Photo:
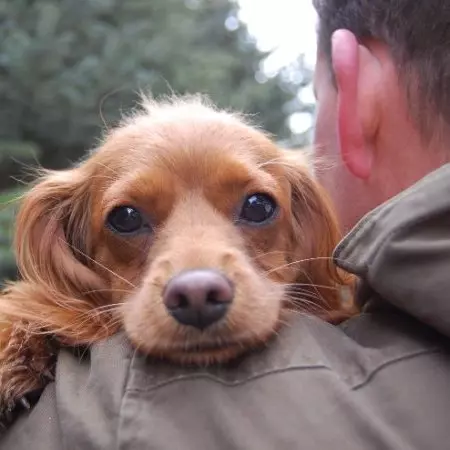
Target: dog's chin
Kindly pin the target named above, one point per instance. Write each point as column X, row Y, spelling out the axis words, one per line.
column 207, row 354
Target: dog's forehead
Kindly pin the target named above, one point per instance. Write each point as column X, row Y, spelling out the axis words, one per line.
column 169, row 159
column 187, row 145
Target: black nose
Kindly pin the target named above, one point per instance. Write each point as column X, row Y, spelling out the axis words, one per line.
column 198, row 297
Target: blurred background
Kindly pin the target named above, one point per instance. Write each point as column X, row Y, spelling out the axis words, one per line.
column 67, row 67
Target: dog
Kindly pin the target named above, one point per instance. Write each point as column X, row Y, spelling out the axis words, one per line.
column 188, row 228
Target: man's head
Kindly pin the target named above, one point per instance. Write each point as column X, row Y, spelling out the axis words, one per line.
column 383, row 98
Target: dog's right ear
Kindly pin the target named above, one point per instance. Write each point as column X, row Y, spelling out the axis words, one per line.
column 53, row 246
column 315, row 227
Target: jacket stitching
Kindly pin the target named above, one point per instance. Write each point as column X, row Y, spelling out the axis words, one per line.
column 378, row 369
column 282, row 370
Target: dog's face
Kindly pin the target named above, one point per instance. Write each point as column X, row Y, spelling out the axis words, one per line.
column 197, row 230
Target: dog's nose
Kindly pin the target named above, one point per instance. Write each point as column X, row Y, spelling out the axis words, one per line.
column 198, row 298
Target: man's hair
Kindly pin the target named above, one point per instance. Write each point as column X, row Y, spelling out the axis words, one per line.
column 417, row 32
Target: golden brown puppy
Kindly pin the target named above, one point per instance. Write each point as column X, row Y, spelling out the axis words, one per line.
column 188, row 228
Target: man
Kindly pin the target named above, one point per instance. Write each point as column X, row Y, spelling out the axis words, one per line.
column 381, row 381
column 383, row 98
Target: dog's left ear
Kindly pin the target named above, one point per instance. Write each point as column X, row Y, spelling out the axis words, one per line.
column 59, row 282
column 58, row 289
column 315, row 234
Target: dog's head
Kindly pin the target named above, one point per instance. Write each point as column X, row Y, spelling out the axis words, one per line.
column 187, row 227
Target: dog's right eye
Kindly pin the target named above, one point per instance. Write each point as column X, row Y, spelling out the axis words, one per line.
column 125, row 220
column 258, row 209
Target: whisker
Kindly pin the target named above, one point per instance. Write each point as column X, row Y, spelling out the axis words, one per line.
column 302, row 301
column 283, row 266
column 95, row 291
column 326, row 302
column 299, row 313
column 262, row 255
column 100, row 265
column 305, row 285
column 304, row 295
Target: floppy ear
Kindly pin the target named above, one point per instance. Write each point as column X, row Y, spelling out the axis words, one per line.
column 315, row 234
column 53, row 242
column 59, row 288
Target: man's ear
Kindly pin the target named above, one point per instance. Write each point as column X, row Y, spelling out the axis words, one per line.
column 355, row 71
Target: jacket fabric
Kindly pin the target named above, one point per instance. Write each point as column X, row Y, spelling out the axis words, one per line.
column 379, row 381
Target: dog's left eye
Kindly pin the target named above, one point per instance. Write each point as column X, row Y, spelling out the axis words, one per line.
column 258, row 208
column 125, row 220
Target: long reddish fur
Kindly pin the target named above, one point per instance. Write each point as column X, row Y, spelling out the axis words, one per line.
column 65, row 272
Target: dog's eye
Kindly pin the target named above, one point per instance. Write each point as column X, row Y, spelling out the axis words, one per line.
column 258, row 208
column 125, row 220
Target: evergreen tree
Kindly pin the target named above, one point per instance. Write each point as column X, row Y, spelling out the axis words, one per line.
column 66, row 63
column 69, row 67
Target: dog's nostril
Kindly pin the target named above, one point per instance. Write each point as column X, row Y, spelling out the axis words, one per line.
column 213, row 297
column 183, row 301
column 198, row 298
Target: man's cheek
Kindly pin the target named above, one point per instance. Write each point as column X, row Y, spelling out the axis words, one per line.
column 326, row 126
column 321, row 131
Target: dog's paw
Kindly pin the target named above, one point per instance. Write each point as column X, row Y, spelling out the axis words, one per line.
column 27, row 364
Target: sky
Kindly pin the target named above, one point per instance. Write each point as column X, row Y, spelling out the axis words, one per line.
column 286, row 28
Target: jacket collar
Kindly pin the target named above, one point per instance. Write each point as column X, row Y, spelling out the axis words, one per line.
column 401, row 251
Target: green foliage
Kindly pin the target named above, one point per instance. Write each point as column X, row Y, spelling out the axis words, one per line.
column 9, row 150
column 70, row 67
column 64, row 63
column 7, row 211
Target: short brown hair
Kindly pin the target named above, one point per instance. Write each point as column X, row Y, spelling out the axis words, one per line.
column 418, row 35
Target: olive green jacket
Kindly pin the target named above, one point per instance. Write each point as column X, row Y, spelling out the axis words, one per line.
column 381, row 381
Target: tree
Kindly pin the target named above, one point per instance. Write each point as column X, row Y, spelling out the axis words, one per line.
column 69, row 67
column 65, row 63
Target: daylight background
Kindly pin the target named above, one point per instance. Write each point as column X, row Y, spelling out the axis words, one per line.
column 67, row 67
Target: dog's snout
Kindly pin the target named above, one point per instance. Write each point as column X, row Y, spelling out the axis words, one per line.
column 198, row 298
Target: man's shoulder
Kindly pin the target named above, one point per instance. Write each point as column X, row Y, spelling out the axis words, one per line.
column 315, row 383
column 352, row 352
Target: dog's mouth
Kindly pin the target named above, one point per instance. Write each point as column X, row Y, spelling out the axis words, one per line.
column 203, row 322
column 208, row 347
column 212, row 353
column 208, row 354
